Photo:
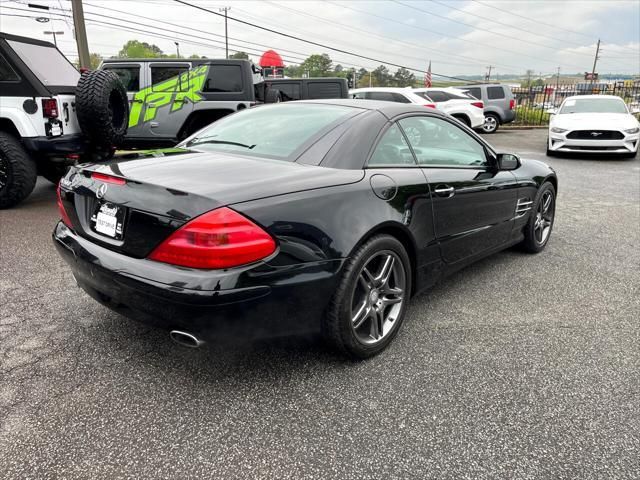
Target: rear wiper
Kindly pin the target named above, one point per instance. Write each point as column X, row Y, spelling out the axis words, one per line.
column 219, row 142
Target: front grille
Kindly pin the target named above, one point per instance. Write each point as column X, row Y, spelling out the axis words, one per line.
column 595, row 135
column 595, row 147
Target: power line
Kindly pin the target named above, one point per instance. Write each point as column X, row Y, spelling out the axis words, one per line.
column 481, row 29
column 541, row 23
column 293, row 37
column 354, row 29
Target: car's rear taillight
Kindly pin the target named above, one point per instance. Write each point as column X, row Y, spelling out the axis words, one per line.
column 221, row 238
column 63, row 213
column 108, row 178
column 49, row 108
column 478, row 104
column 430, row 105
column 512, row 104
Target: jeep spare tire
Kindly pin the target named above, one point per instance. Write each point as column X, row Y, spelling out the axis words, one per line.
column 102, row 108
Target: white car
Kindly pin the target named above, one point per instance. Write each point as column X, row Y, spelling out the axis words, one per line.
column 457, row 103
column 391, row 94
column 593, row 124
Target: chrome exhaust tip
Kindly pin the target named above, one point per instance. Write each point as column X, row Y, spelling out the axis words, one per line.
column 185, row 339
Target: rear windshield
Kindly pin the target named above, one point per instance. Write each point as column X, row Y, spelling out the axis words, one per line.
column 47, row 63
column 272, row 131
column 594, row 105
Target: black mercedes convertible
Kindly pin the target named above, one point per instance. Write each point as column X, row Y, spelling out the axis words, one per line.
column 315, row 216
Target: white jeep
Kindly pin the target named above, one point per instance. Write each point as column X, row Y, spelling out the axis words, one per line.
column 51, row 115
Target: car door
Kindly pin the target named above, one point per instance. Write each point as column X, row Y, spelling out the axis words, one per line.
column 166, row 107
column 473, row 201
column 132, row 77
column 394, row 176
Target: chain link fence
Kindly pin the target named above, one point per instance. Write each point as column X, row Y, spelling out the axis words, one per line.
column 533, row 102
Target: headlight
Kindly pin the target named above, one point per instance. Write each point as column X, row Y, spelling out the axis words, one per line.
column 632, row 130
column 558, row 130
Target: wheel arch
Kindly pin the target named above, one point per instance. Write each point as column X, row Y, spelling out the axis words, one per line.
column 403, row 235
column 6, row 125
column 553, row 180
column 464, row 117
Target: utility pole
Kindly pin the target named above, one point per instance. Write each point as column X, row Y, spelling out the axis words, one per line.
column 226, row 32
column 595, row 61
column 488, row 75
column 370, row 79
column 81, row 33
column 177, row 49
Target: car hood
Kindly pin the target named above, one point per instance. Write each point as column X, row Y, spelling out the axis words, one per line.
column 221, row 176
column 594, row 121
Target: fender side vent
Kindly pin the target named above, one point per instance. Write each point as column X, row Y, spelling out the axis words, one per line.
column 522, row 207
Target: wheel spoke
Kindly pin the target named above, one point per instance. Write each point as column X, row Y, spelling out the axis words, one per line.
column 377, row 323
column 368, row 278
column 361, row 315
column 385, row 273
column 546, row 203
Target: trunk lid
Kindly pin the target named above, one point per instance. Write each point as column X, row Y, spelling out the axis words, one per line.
column 165, row 189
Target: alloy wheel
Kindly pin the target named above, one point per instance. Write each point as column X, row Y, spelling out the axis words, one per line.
column 544, row 218
column 378, row 297
column 490, row 124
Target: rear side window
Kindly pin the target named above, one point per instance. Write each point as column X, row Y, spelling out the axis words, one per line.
column 7, row 74
column 324, row 90
column 224, row 79
column 476, row 92
column 495, row 93
column 160, row 74
column 289, row 91
column 384, row 96
column 129, row 76
column 47, row 63
column 437, row 96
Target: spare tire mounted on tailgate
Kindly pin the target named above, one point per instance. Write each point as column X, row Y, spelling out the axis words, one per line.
column 102, row 107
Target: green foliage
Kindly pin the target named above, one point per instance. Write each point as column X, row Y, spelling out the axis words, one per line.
column 240, row 56
column 317, row 66
column 137, row 49
column 94, row 61
column 403, row 78
column 381, row 77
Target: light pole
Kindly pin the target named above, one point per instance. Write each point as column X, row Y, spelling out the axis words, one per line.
column 54, row 33
column 177, row 49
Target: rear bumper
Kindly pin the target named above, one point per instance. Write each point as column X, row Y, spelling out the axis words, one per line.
column 560, row 143
column 252, row 302
column 509, row 116
column 56, row 146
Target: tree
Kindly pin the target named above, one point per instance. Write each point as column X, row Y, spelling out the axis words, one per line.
column 403, row 78
column 381, row 76
column 362, row 79
column 94, row 61
column 317, row 66
column 137, row 49
column 240, row 56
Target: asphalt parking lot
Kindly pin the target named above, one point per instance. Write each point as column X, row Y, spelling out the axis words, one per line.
column 521, row 366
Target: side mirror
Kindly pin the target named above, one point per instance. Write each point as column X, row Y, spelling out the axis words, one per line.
column 508, row 161
column 552, row 111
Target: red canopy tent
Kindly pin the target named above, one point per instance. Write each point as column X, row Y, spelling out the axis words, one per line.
column 272, row 64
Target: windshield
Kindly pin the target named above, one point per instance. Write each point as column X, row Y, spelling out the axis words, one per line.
column 424, row 95
column 47, row 63
column 275, row 131
column 594, row 105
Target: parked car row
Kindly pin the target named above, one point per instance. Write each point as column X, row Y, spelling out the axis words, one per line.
column 479, row 106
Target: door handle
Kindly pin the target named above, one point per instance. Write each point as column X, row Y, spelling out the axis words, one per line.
column 444, row 191
column 154, row 124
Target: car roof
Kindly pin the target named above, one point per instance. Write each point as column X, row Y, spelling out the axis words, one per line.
column 383, row 89
column 573, row 97
column 388, row 109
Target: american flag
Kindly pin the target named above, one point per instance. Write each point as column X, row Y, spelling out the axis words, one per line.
column 427, row 76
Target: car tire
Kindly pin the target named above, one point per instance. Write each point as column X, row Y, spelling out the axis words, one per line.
column 273, row 95
column 18, row 171
column 358, row 322
column 536, row 236
column 102, row 108
column 491, row 123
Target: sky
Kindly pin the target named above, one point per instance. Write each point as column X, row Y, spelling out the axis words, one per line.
column 458, row 37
